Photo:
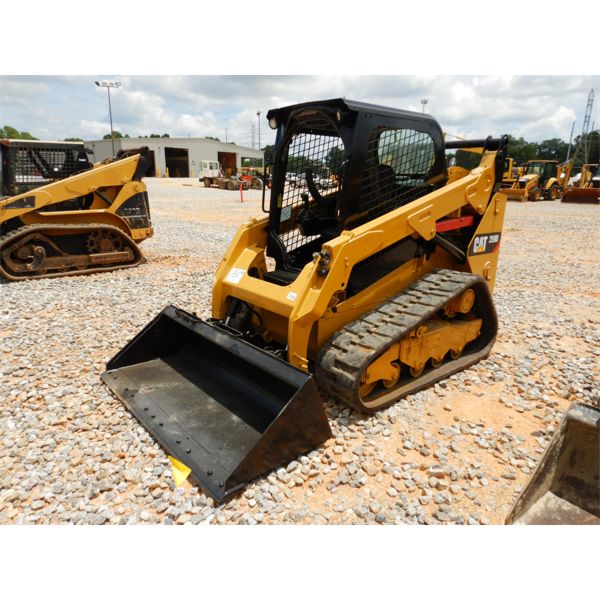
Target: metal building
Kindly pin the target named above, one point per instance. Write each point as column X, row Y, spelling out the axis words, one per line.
column 182, row 157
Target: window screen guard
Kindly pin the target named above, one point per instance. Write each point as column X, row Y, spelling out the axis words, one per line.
column 320, row 154
column 398, row 164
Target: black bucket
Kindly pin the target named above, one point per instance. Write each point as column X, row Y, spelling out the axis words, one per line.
column 565, row 487
column 225, row 408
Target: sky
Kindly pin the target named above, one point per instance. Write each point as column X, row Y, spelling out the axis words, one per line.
column 56, row 107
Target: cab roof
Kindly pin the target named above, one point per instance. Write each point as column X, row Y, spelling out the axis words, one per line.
column 282, row 114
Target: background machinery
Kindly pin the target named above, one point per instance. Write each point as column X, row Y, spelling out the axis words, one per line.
column 253, row 176
column 61, row 215
column 212, row 175
column 373, row 289
column 540, row 180
column 587, row 189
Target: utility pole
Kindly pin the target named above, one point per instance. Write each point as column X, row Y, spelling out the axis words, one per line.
column 252, row 132
column 258, row 119
column 108, row 85
column 582, row 150
column 424, row 101
column 225, row 134
column 570, row 140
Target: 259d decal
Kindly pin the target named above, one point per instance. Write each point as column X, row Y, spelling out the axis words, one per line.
column 484, row 244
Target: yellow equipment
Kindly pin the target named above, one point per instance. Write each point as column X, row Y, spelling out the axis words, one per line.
column 463, row 162
column 565, row 487
column 64, row 216
column 540, row 180
column 511, row 174
column 373, row 289
column 587, row 190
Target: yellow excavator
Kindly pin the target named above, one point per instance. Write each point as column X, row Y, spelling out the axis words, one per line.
column 540, row 180
column 364, row 292
column 62, row 215
column 587, row 189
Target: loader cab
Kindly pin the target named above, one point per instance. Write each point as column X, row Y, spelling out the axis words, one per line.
column 544, row 169
column 29, row 164
column 375, row 159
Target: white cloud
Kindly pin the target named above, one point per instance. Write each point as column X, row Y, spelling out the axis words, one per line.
column 535, row 107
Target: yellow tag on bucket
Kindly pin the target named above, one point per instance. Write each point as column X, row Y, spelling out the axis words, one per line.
column 180, row 471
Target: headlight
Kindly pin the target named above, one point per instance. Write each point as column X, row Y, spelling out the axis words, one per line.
column 273, row 123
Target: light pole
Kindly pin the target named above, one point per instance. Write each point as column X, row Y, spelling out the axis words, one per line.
column 258, row 118
column 108, row 85
column 424, row 101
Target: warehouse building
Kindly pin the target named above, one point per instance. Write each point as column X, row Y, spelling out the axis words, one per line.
column 182, row 157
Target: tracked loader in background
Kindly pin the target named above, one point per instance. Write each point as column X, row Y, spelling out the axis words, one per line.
column 62, row 215
column 363, row 293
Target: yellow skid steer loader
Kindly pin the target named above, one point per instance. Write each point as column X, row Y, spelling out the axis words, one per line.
column 374, row 288
column 61, row 215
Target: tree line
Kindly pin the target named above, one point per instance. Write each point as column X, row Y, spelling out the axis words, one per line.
column 553, row 149
column 518, row 148
column 10, row 133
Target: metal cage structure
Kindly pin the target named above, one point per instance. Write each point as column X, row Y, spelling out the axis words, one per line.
column 34, row 164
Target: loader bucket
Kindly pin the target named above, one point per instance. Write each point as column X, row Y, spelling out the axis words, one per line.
column 582, row 195
column 565, row 487
column 225, row 408
column 515, row 194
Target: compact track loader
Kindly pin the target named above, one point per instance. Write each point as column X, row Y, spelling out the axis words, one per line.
column 540, row 180
column 65, row 216
column 365, row 292
column 565, row 487
column 587, row 190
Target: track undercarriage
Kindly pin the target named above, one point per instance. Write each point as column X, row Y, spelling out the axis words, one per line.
column 443, row 323
column 42, row 251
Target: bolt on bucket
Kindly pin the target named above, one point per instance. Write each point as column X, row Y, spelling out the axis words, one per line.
column 225, row 408
column 565, row 487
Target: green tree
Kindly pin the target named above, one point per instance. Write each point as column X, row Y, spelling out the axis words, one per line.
column 553, row 149
column 10, row 133
column 118, row 135
column 593, row 147
column 210, row 137
column 269, row 151
column 334, row 159
column 73, row 140
column 521, row 150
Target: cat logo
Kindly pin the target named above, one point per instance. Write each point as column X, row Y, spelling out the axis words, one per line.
column 484, row 244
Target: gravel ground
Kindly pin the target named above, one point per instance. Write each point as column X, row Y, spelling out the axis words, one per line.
column 457, row 453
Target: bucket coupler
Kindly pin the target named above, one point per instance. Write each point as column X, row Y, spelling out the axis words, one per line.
column 228, row 410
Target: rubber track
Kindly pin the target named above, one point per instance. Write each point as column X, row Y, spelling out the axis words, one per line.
column 15, row 233
column 344, row 358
